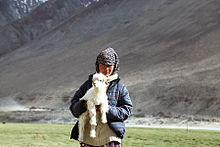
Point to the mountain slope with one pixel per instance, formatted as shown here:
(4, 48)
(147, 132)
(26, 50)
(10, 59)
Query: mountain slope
(13, 9)
(40, 20)
(7, 13)
(169, 56)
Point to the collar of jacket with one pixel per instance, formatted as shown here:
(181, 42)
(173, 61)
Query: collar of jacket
(113, 83)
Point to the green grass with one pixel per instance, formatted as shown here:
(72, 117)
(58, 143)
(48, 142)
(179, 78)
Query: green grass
(30, 135)
(143, 137)
(47, 135)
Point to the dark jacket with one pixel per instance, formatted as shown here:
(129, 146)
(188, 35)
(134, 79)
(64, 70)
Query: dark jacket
(120, 106)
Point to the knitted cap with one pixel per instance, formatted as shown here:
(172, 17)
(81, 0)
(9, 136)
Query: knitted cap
(108, 57)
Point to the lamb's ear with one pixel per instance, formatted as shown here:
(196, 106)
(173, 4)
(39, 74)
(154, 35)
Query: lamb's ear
(112, 77)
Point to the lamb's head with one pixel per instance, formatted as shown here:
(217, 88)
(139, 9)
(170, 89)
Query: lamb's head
(99, 81)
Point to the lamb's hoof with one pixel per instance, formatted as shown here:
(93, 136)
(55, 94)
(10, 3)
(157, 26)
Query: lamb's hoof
(93, 123)
(104, 121)
(80, 137)
(92, 134)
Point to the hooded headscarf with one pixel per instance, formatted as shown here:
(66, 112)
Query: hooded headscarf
(108, 57)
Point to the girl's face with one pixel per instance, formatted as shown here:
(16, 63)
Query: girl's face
(106, 70)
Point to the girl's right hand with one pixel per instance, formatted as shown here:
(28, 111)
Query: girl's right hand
(85, 104)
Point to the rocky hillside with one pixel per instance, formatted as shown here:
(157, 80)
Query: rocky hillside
(169, 56)
(24, 7)
(7, 12)
(11, 10)
(39, 21)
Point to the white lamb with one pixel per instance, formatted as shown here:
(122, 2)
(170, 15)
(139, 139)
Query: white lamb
(96, 95)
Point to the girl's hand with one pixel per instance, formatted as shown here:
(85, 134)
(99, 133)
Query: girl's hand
(85, 104)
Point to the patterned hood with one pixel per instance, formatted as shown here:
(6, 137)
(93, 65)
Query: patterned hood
(108, 57)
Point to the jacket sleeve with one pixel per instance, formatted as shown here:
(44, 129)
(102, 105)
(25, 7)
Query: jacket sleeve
(76, 106)
(123, 109)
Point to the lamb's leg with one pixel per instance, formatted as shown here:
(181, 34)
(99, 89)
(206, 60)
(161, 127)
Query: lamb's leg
(81, 124)
(92, 113)
(92, 131)
(103, 109)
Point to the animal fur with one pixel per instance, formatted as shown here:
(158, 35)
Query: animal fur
(96, 95)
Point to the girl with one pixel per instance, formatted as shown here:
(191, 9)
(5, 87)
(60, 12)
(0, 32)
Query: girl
(119, 106)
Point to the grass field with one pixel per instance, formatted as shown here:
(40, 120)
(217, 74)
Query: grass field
(47, 135)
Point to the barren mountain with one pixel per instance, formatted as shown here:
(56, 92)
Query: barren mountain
(169, 57)
(40, 20)
(24, 7)
(11, 10)
(7, 13)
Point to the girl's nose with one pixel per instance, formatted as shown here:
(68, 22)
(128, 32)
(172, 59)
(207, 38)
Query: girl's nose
(107, 69)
